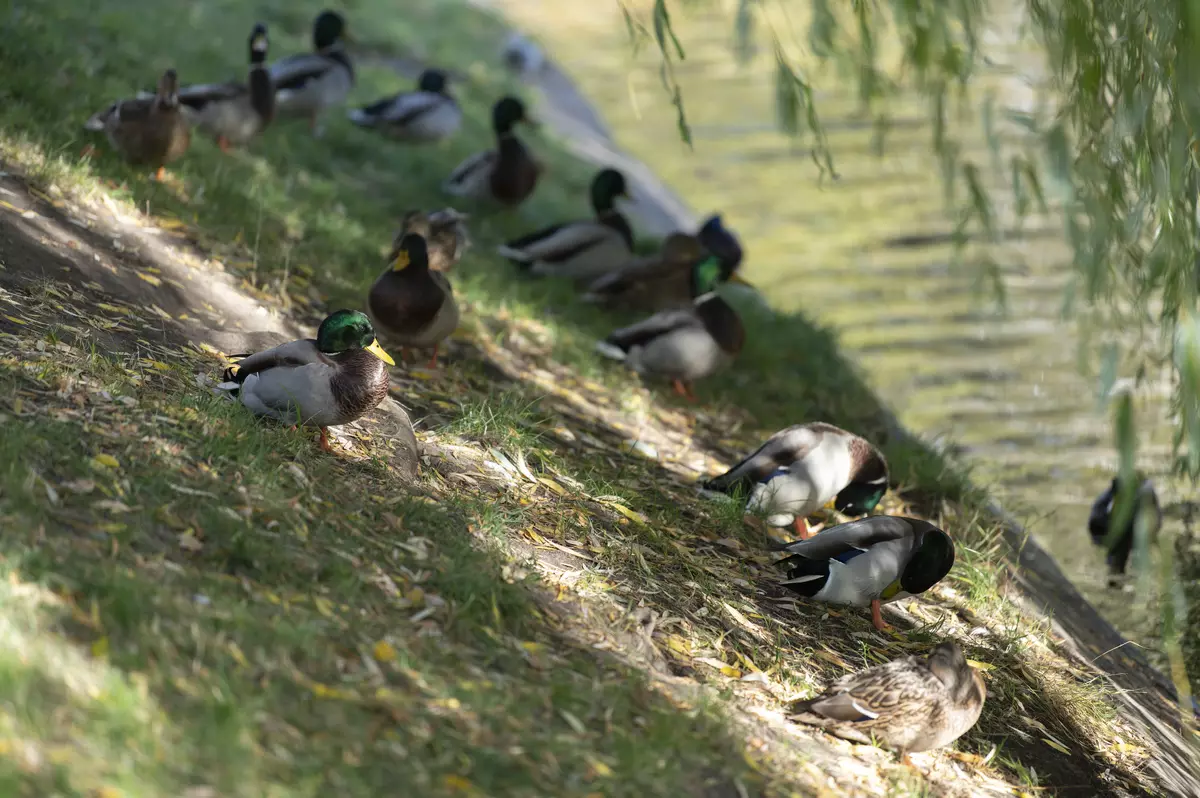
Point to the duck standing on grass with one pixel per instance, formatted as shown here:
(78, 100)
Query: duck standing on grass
(335, 379)
(662, 281)
(584, 249)
(412, 304)
(868, 562)
(309, 83)
(445, 233)
(1100, 522)
(426, 115)
(507, 174)
(685, 344)
(147, 131)
(800, 469)
(234, 113)
(911, 704)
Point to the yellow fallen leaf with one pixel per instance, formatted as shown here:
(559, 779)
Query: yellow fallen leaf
(189, 542)
(17, 405)
(599, 768)
(323, 606)
(15, 320)
(981, 666)
(1057, 746)
(106, 460)
(458, 783)
(552, 485)
(732, 673)
(677, 643)
(416, 595)
(156, 364)
(150, 278)
(100, 648)
(383, 652)
(236, 653)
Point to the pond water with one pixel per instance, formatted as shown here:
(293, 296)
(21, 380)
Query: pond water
(1003, 390)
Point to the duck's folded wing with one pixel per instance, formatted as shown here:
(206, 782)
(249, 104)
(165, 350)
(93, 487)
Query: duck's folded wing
(294, 72)
(302, 390)
(657, 325)
(784, 447)
(561, 242)
(294, 353)
(844, 538)
(407, 108)
(198, 97)
(469, 170)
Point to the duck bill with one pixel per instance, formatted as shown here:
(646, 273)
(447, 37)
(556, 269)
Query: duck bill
(377, 350)
(737, 278)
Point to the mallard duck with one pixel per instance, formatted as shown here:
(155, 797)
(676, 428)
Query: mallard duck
(147, 131)
(507, 174)
(684, 344)
(910, 704)
(333, 379)
(425, 115)
(445, 233)
(662, 281)
(800, 469)
(412, 304)
(862, 563)
(234, 113)
(1100, 521)
(581, 250)
(308, 83)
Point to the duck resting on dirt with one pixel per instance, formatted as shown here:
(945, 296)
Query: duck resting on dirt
(1100, 524)
(682, 344)
(584, 249)
(869, 562)
(802, 468)
(445, 233)
(334, 379)
(410, 303)
(910, 704)
(146, 131)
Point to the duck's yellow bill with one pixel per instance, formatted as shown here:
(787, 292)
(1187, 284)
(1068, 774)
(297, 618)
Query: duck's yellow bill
(377, 350)
(401, 262)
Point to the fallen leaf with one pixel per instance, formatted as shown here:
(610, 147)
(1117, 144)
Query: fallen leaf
(100, 648)
(106, 460)
(189, 542)
(111, 506)
(323, 606)
(383, 652)
(1056, 745)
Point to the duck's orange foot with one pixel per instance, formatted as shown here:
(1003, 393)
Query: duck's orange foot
(160, 174)
(877, 617)
(801, 526)
(224, 144)
(325, 440)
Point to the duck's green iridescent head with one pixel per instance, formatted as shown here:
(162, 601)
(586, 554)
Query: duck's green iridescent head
(706, 275)
(859, 498)
(432, 81)
(932, 560)
(344, 330)
(329, 28)
(607, 186)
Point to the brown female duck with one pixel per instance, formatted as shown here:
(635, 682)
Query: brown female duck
(147, 131)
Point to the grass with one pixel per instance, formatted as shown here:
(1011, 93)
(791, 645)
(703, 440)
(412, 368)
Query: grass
(197, 603)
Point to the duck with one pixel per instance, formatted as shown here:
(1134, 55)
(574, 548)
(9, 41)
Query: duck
(307, 84)
(800, 469)
(234, 113)
(864, 563)
(147, 131)
(522, 56)
(445, 233)
(661, 281)
(410, 303)
(582, 250)
(336, 378)
(1100, 521)
(910, 704)
(428, 114)
(507, 174)
(682, 344)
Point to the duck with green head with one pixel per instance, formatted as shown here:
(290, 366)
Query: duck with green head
(426, 115)
(333, 379)
(664, 280)
(506, 175)
(802, 468)
(869, 562)
(149, 130)
(234, 113)
(683, 344)
(412, 304)
(581, 250)
(308, 83)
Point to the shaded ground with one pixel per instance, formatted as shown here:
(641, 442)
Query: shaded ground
(198, 603)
